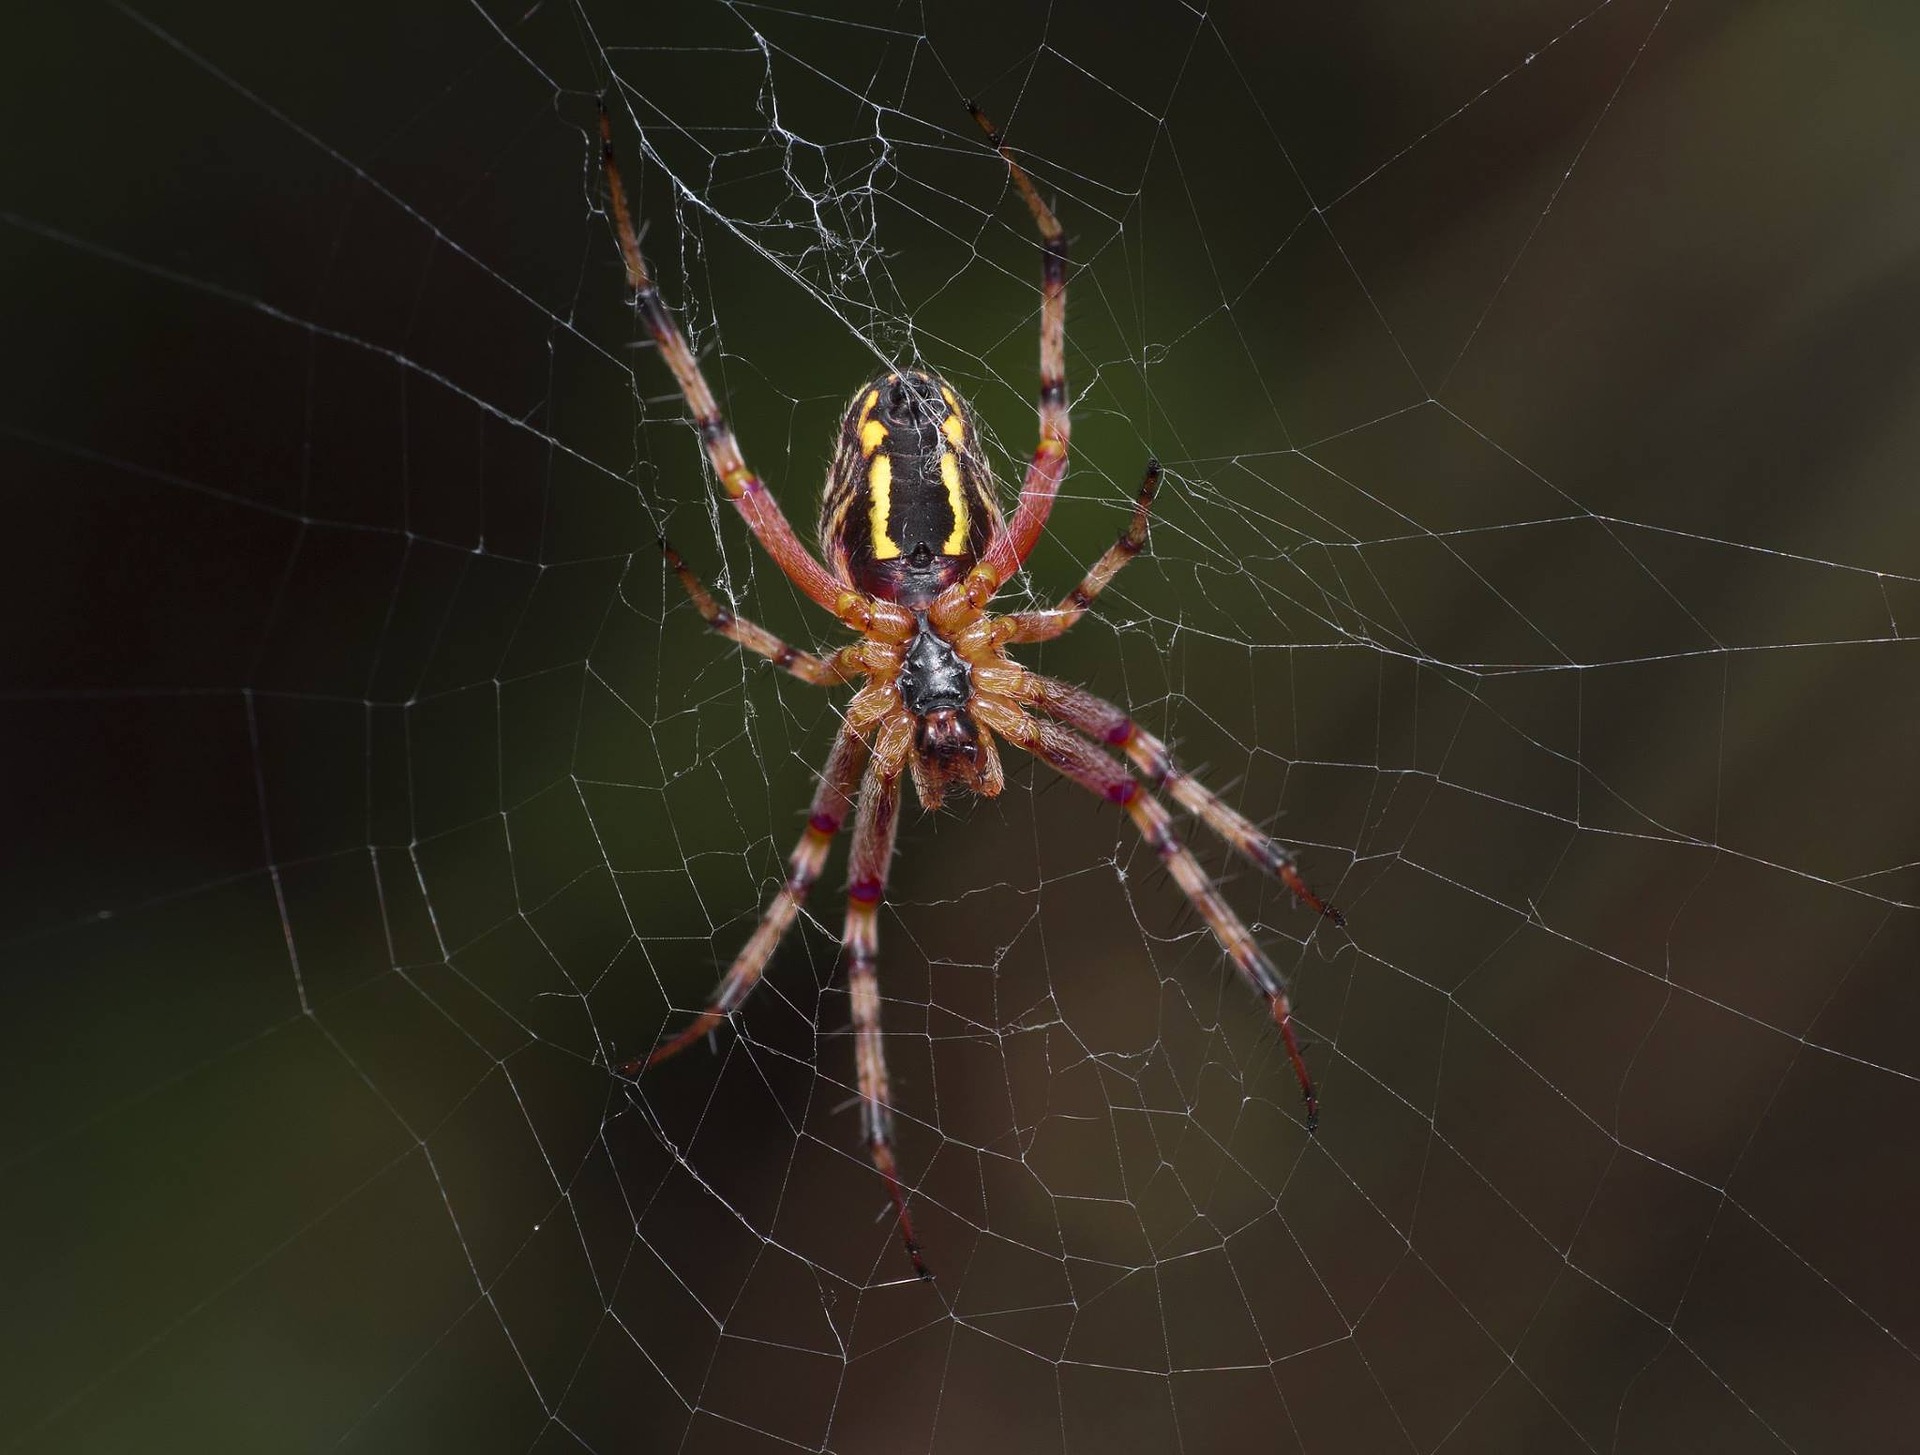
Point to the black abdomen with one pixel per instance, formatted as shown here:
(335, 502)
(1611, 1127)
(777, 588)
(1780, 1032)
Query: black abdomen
(909, 503)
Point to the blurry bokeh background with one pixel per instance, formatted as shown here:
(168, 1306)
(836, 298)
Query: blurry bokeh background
(1540, 554)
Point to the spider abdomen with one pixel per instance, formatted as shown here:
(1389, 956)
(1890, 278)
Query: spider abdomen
(909, 502)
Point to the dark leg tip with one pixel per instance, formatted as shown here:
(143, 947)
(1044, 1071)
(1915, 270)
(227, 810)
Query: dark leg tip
(994, 139)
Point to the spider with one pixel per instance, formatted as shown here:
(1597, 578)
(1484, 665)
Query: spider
(915, 548)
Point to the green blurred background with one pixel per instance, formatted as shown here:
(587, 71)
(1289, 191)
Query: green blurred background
(1540, 554)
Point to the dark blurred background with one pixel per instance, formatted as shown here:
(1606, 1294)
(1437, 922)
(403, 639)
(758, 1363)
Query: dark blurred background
(1540, 554)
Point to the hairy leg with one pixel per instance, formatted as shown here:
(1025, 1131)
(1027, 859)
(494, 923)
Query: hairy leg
(759, 509)
(1011, 545)
(1044, 626)
(1106, 723)
(1076, 758)
(832, 800)
(868, 861)
(756, 638)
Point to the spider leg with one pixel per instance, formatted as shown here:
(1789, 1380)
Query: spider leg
(1044, 626)
(1101, 720)
(868, 861)
(756, 638)
(1075, 757)
(1011, 545)
(757, 507)
(829, 810)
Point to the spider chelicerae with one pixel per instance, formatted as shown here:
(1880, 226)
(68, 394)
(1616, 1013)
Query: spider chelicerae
(915, 548)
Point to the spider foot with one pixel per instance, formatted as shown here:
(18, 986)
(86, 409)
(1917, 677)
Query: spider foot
(1290, 877)
(672, 1046)
(1283, 1018)
(882, 1155)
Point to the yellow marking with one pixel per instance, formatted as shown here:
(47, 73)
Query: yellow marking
(953, 426)
(880, 486)
(836, 519)
(873, 434)
(956, 543)
(873, 399)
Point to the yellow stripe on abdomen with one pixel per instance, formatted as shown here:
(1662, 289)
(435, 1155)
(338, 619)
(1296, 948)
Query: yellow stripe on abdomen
(956, 542)
(879, 503)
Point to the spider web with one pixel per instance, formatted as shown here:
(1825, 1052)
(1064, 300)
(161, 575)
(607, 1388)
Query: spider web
(1537, 556)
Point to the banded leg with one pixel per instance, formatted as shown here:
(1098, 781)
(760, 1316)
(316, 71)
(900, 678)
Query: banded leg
(1044, 626)
(757, 507)
(869, 858)
(1012, 544)
(754, 637)
(831, 800)
(1106, 723)
(1076, 758)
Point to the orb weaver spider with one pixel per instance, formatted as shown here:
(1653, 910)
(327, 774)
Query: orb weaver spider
(916, 547)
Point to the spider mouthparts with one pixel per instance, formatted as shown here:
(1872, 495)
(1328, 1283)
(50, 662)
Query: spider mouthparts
(947, 733)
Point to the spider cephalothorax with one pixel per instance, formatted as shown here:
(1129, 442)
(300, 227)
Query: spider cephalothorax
(915, 548)
(936, 686)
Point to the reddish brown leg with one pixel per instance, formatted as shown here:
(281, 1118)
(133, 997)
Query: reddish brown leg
(868, 861)
(831, 802)
(1044, 626)
(1078, 759)
(759, 509)
(756, 638)
(1010, 546)
(1101, 720)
